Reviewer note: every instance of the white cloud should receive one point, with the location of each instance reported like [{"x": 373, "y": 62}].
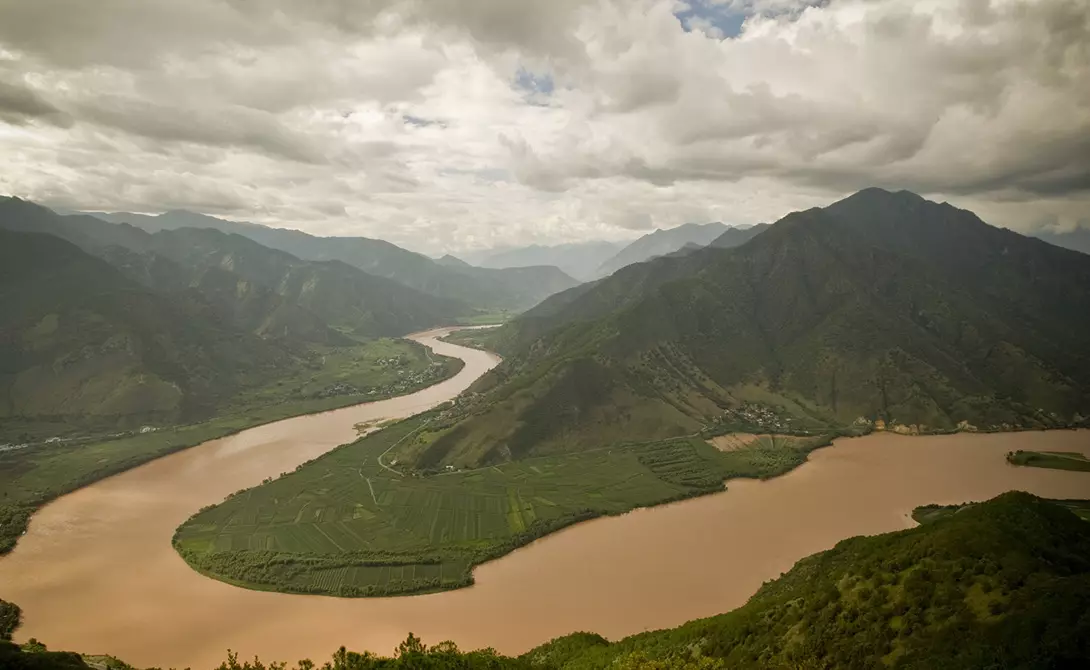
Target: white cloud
[{"x": 412, "y": 120}]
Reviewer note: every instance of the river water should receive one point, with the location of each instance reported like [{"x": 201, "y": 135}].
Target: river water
[{"x": 96, "y": 571}]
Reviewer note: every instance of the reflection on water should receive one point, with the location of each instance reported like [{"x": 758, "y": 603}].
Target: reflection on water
[{"x": 96, "y": 571}]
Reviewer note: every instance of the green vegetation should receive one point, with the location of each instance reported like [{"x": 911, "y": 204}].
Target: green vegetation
[
  {"x": 10, "y": 617},
  {"x": 481, "y": 288},
  {"x": 334, "y": 377},
  {"x": 929, "y": 513},
  {"x": 999, "y": 584},
  {"x": 352, "y": 523},
  {"x": 474, "y": 338},
  {"x": 122, "y": 346},
  {"x": 882, "y": 307},
  {"x": 488, "y": 318},
  {"x": 1057, "y": 460}
]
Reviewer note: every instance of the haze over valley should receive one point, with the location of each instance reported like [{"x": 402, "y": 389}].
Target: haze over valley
[{"x": 567, "y": 335}]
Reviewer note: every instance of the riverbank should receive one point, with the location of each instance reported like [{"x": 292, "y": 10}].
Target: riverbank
[
  {"x": 376, "y": 370},
  {"x": 96, "y": 572},
  {"x": 409, "y": 533}
]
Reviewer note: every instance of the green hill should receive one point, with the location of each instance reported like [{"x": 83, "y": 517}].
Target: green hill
[
  {"x": 483, "y": 288},
  {"x": 883, "y": 306},
  {"x": 265, "y": 291},
  {"x": 83, "y": 342}
]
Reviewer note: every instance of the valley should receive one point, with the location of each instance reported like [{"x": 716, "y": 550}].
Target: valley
[
  {"x": 110, "y": 543},
  {"x": 653, "y": 447}
]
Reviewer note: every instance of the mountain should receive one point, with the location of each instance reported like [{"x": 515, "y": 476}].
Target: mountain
[
  {"x": 83, "y": 342},
  {"x": 580, "y": 260},
  {"x": 452, "y": 262},
  {"x": 1077, "y": 240},
  {"x": 255, "y": 288},
  {"x": 734, "y": 237},
  {"x": 661, "y": 242},
  {"x": 883, "y": 306},
  {"x": 478, "y": 287},
  {"x": 335, "y": 292}
]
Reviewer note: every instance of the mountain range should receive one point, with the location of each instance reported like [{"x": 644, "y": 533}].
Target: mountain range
[
  {"x": 881, "y": 309},
  {"x": 661, "y": 242},
  {"x": 580, "y": 260},
  {"x": 256, "y": 288},
  {"x": 483, "y": 288}
]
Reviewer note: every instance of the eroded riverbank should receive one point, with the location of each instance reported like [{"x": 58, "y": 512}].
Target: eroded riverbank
[{"x": 97, "y": 573}]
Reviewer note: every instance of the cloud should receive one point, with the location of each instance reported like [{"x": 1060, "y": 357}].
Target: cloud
[
  {"x": 449, "y": 124},
  {"x": 20, "y": 104}
]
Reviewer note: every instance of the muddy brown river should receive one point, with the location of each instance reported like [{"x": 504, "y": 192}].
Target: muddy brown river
[{"x": 96, "y": 571}]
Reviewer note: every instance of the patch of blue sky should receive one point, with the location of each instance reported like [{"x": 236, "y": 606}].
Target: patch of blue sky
[
  {"x": 724, "y": 19},
  {"x": 715, "y": 18},
  {"x": 536, "y": 87}
]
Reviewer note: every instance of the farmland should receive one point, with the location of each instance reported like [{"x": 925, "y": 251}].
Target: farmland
[
  {"x": 33, "y": 474},
  {"x": 345, "y": 524}
]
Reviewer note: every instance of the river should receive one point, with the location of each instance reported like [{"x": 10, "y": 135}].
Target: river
[{"x": 96, "y": 571}]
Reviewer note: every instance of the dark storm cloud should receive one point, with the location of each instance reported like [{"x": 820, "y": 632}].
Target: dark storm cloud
[{"x": 19, "y": 104}]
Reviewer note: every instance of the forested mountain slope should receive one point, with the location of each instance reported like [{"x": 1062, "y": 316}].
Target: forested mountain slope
[
  {"x": 83, "y": 341},
  {"x": 883, "y": 306},
  {"x": 484, "y": 288},
  {"x": 258, "y": 289}
]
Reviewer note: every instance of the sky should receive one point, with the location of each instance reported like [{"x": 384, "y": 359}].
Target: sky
[{"x": 448, "y": 125}]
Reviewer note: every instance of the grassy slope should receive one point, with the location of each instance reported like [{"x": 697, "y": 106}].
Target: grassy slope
[
  {"x": 336, "y": 377},
  {"x": 883, "y": 306},
  {"x": 345, "y": 525}
]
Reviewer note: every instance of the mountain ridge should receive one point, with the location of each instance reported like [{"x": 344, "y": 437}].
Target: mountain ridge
[
  {"x": 881, "y": 307},
  {"x": 660, "y": 242},
  {"x": 482, "y": 288}
]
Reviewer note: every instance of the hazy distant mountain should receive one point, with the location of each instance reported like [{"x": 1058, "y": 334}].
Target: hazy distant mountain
[
  {"x": 734, "y": 237},
  {"x": 477, "y": 287},
  {"x": 579, "y": 259},
  {"x": 661, "y": 242},
  {"x": 452, "y": 261},
  {"x": 1078, "y": 239},
  {"x": 255, "y": 288},
  {"x": 881, "y": 306}
]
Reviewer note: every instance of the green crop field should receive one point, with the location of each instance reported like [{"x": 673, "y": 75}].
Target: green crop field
[
  {"x": 1057, "y": 460},
  {"x": 345, "y": 524},
  {"x": 338, "y": 376}
]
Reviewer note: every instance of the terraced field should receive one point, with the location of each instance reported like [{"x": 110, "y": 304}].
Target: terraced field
[{"x": 346, "y": 524}]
